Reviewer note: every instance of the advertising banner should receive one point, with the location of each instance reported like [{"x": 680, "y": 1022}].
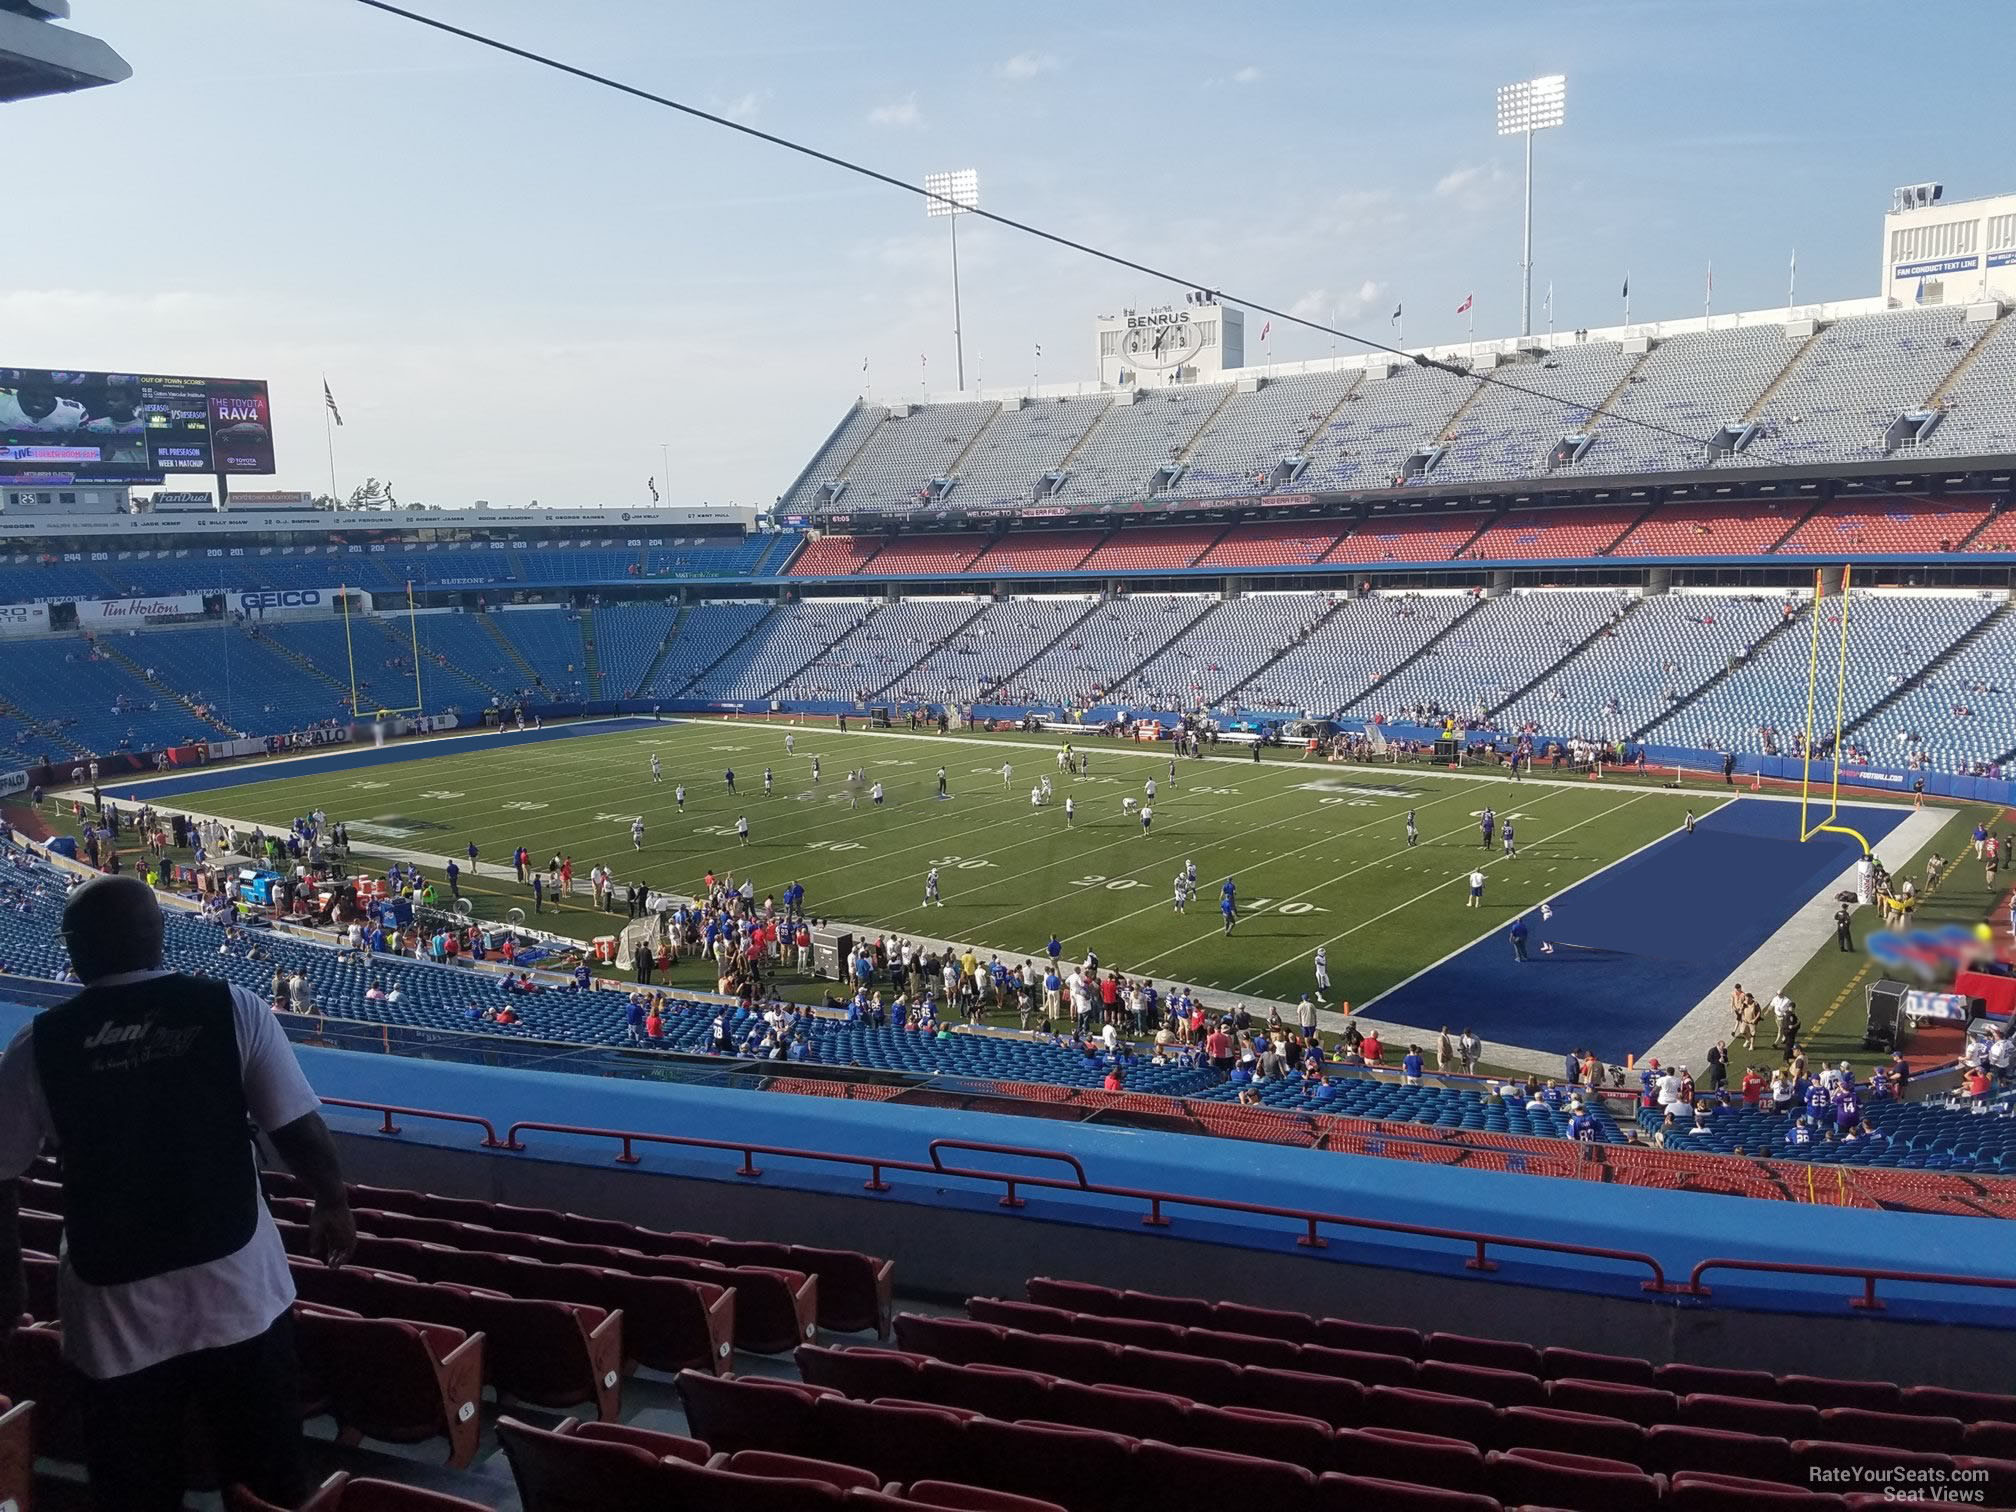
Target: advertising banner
[
  {"x": 97, "y": 612},
  {"x": 23, "y": 619}
]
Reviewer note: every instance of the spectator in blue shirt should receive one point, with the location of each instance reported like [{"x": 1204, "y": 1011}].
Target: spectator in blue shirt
[
  {"x": 1517, "y": 935},
  {"x": 1582, "y": 1125},
  {"x": 1410, "y": 1066}
]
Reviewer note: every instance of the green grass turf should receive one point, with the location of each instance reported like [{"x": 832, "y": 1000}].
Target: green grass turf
[{"x": 1313, "y": 867}]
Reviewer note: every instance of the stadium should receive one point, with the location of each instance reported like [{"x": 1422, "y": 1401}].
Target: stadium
[{"x": 1411, "y": 930}]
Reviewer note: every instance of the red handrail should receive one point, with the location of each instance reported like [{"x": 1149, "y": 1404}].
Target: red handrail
[
  {"x": 1867, "y": 1275},
  {"x": 1311, "y": 1220},
  {"x": 490, "y": 1139}
]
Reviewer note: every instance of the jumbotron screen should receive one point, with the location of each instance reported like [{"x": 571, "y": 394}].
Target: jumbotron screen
[{"x": 130, "y": 427}]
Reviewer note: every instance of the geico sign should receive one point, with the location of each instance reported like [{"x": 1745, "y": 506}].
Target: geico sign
[{"x": 290, "y": 598}]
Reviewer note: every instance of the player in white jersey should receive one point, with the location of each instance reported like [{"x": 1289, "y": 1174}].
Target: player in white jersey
[
  {"x": 1036, "y": 796},
  {"x": 815, "y": 771},
  {"x": 931, "y": 889},
  {"x": 1070, "y": 810},
  {"x": 790, "y": 744},
  {"x": 1148, "y": 789},
  {"x": 942, "y": 793},
  {"x": 1007, "y": 774},
  {"x": 1182, "y": 893},
  {"x": 637, "y": 834},
  {"x": 742, "y": 829},
  {"x": 1322, "y": 972},
  {"x": 679, "y": 796},
  {"x": 1413, "y": 830},
  {"x": 767, "y": 782},
  {"x": 1190, "y": 874},
  {"x": 876, "y": 793},
  {"x": 657, "y": 768},
  {"x": 1147, "y": 816}
]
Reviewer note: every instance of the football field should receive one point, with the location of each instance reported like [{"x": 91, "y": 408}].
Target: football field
[{"x": 1318, "y": 851}]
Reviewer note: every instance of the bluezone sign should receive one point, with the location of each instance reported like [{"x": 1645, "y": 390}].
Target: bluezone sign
[{"x": 268, "y": 602}]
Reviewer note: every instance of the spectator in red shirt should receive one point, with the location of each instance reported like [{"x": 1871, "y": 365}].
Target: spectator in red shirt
[
  {"x": 1218, "y": 1047},
  {"x": 1753, "y": 1087},
  {"x": 654, "y": 1024},
  {"x": 1371, "y": 1049}
]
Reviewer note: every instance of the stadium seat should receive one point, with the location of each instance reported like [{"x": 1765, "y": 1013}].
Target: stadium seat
[
  {"x": 1572, "y": 1482},
  {"x": 1432, "y": 1459},
  {"x": 1639, "y": 1404},
  {"x": 1351, "y": 1493},
  {"x": 17, "y": 1450},
  {"x": 388, "y": 1379},
  {"x": 770, "y": 1466},
  {"x": 960, "y": 1498},
  {"x": 745, "y": 1412},
  {"x": 1705, "y": 1491},
  {"x": 1786, "y": 1420},
  {"x": 1615, "y": 1438},
  {"x": 1671, "y": 1448},
  {"x": 564, "y": 1472}
]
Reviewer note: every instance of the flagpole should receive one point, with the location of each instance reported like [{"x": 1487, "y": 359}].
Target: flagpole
[
  {"x": 1627, "y": 296},
  {"x": 1550, "y": 312},
  {"x": 1708, "y": 295},
  {"x": 329, "y": 438},
  {"x": 1792, "y": 282}
]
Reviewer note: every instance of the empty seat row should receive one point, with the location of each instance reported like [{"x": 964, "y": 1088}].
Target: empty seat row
[
  {"x": 1550, "y": 1363},
  {"x": 853, "y": 1292}
]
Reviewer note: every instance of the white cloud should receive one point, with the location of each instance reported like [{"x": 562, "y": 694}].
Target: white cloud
[
  {"x": 1027, "y": 65},
  {"x": 1457, "y": 180},
  {"x": 1326, "y": 305},
  {"x": 1247, "y": 75},
  {"x": 902, "y": 114},
  {"x": 743, "y": 107}
]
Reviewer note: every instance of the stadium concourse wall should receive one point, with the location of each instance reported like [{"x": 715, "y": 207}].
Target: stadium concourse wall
[{"x": 952, "y": 1236}]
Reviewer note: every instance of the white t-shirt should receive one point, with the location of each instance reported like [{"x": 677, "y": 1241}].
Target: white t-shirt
[{"x": 115, "y": 1330}]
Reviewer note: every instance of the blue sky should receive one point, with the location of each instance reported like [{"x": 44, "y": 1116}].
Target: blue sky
[{"x": 521, "y": 286}]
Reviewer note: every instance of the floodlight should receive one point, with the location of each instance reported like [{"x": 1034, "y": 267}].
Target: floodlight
[
  {"x": 1534, "y": 105},
  {"x": 952, "y": 193}
]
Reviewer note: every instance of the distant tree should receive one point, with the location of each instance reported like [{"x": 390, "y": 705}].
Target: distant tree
[{"x": 370, "y": 494}]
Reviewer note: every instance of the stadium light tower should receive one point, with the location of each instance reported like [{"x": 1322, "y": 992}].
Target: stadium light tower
[
  {"x": 952, "y": 195},
  {"x": 1524, "y": 108}
]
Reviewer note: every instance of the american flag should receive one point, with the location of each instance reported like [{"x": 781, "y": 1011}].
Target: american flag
[{"x": 330, "y": 400}]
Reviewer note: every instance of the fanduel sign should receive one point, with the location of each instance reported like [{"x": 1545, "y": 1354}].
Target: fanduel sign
[{"x": 285, "y": 600}]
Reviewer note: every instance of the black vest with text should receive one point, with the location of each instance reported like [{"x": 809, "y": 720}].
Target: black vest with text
[{"x": 146, "y": 1094}]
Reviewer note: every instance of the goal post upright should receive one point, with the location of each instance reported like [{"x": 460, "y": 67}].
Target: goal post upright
[
  {"x": 413, "y": 629},
  {"x": 1827, "y": 824}
]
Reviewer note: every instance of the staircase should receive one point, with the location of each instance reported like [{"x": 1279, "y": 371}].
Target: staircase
[
  {"x": 107, "y": 647},
  {"x": 1426, "y": 646},
  {"x": 978, "y": 610},
  {"x": 1917, "y": 679},
  {"x": 1046, "y": 648},
  {"x": 404, "y": 645},
  {"x": 42, "y": 731},
  {"x": 1798, "y": 524},
  {"x": 1636, "y": 520},
  {"x": 1573, "y": 652},
  {"x": 1328, "y": 615},
  {"x": 532, "y": 678},
  {"x": 1210, "y": 608},
  {"x": 308, "y": 668},
  {"x": 1724, "y": 675},
  {"x": 695, "y": 679},
  {"x": 591, "y": 672},
  {"x": 1791, "y": 367},
  {"x": 789, "y": 678},
  {"x": 1601, "y": 410},
  {"x": 1959, "y": 369},
  {"x": 1998, "y": 515},
  {"x": 664, "y": 650}
]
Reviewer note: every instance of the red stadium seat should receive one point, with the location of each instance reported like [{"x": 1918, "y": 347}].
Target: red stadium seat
[
  {"x": 1255, "y": 1431},
  {"x": 1703, "y": 1491},
  {"x": 1074, "y": 1296},
  {"x": 863, "y": 1374},
  {"x": 1122, "y": 1409},
  {"x": 399, "y": 1381},
  {"x": 1673, "y": 1447},
  {"x": 958, "y": 1340},
  {"x": 774, "y": 1466},
  {"x": 1361, "y": 1365},
  {"x": 1839, "y": 1464},
  {"x": 563, "y": 1472},
  {"x": 1573, "y": 1482},
  {"x": 1200, "y": 1379},
  {"x": 1432, "y": 1459},
  {"x": 1493, "y": 1354},
  {"x": 746, "y": 1412},
  {"x": 1968, "y": 1406},
  {"x": 1641, "y": 1404},
  {"x": 996, "y": 1391},
  {"x": 1574, "y": 1433},
  {"x": 1786, "y": 1420},
  {"x": 1166, "y": 1475},
  {"x": 1065, "y": 1465},
  {"x": 1900, "y": 1430},
  {"x": 898, "y": 1441},
  {"x": 1331, "y": 1399},
  {"x": 1263, "y": 1322},
  {"x": 1687, "y": 1380},
  {"x": 1827, "y": 1391},
  {"x": 1626, "y": 1370},
  {"x": 1501, "y": 1388},
  {"x": 1240, "y": 1349},
  {"x": 34, "y": 1377},
  {"x": 1469, "y": 1418},
  {"x": 663, "y": 1445},
  {"x": 1030, "y": 1317}
]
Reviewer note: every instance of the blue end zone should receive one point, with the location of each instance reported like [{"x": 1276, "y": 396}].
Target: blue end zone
[
  {"x": 1636, "y": 947},
  {"x": 353, "y": 758}
]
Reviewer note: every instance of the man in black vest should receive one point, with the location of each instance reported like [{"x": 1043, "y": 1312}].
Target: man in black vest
[{"x": 174, "y": 1287}]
